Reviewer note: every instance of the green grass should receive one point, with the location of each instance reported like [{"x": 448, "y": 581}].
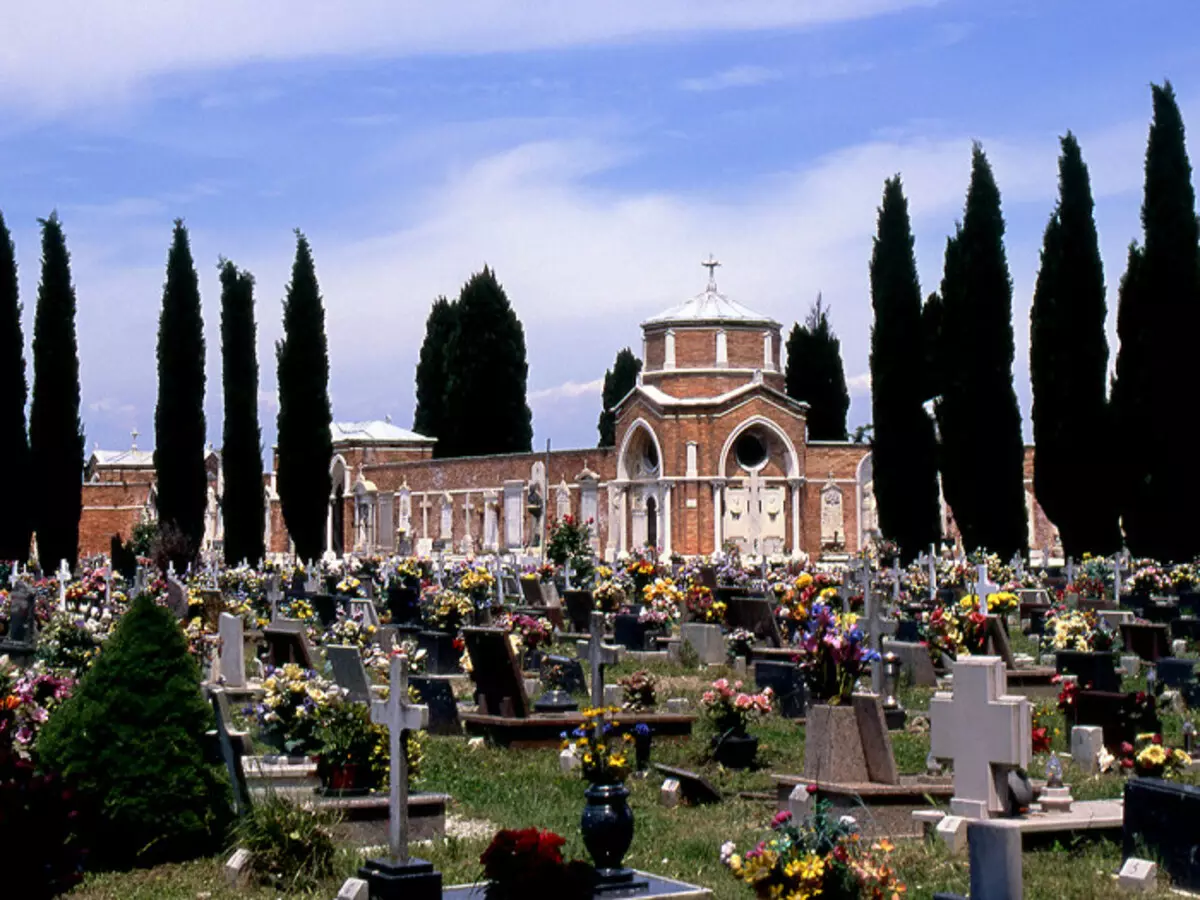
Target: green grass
[{"x": 521, "y": 788}]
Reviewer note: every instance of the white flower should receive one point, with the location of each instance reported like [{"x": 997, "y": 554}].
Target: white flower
[{"x": 727, "y": 850}]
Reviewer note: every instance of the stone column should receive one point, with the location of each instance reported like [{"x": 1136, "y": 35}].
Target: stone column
[
  {"x": 718, "y": 515},
  {"x": 665, "y": 512},
  {"x": 624, "y": 514},
  {"x": 795, "y": 484}
]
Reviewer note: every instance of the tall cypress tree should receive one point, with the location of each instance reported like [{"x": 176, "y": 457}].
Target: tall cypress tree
[
  {"x": 305, "y": 440},
  {"x": 486, "y": 374},
  {"x": 16, "y": 525},
  {"x": 55, "y": 431},
  {"x": 241, "y": 451},
  {"x": 179, "y": 429},
  {"x": 618, "y": 381},
  {"x": 1068, "y": 365},
  {"x": 904, "y": 449},
  {"x": 815, "y": 375},
  {"x": 1158, "y": 318},
  {"x": 429, "y": 418},
  {"x": 982, "y": 454}
]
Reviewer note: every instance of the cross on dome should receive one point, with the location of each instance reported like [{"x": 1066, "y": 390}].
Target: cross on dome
[{"x": 711, "y": 264}]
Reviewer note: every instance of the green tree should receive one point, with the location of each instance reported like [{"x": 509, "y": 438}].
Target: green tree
[
  {"x": 305, "y": 440},
  {"x": 16, "y": 525},
  {"x": 55, "y": 431},
  {"x": 131, "y": 740},
  {"x": 1068, "y": 365},
  {"x": 1157, "y": 320},
  {"x": 486, "y": 374},
  {"x": 429, "y": 418},
  {"x": 904, "y": 449},
  {"x": 815, "y": 375},
  {"x": 618, "y": 381},
  {"x": 241, "y": 450},
  {"x": 179, "y": 428},
  {"x": 932, "y": 313},
  {"x": 982, "y": 453}
]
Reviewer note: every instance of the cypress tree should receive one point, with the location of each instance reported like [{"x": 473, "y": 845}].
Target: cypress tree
[
  {"x": 903, "y": 450},
  {"x": 982, "y": 454},
  {"x": 429, "y": 418},
  {"x": 16, "y": 524},
  {"x": 486, "y": 374},
  {"x": 1068, "y": 365},
  {"x": 305, "y": 441},
  {"x": 241, "y": 451},
  {"x": 932, "y": 313},
  {"x": 55, "y": 431},
  {"x": 815, "y": 375},
  {"x": 179, "y": 429},
  {"x": 618, "y": 381},
  {"x": 1158, "y": 318}
]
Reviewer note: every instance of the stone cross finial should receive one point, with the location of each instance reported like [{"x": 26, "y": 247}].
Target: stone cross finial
[
  {"x": 984, "y": 587},
  {"x": 399, "y": 717},
  {"x": 712, "y": 265},
  {"x": 984, "y": 730},
  {"x": 600, "y": 655},
  {"x": 134, "y": 434}
]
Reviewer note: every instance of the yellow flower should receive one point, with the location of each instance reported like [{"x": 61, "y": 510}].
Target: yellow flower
[
  {"x": 804, "y": 580},
  {"x": 812, "y": 867},
  {"x": 1154, "y": 755}
]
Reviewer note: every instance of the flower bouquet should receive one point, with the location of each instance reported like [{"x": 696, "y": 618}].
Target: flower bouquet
[
  {"x": 291, "y": 708},
  {"x": 602, "y": 750},
  {"x": 833, "y": 655},
  {"x": 349, "y": 586},
  {"x": 1148, "y": 578},
  {"x": 820, "y": 857},
  {"x": 1152, "y": 760},
  {"x": 477, "y": 583},
  {"x": 638, "y": 691},
  {"x": 730, "y": 709},
  {"x": 446, "y": 610},
  {"x": 1075, "y": 630},
  {"x": 26, "y": 700},
  {"x": 529, "y": 863},
  {"x": 702, "y": 606},
  {"x": 661, "y": 598},
  {"x": 534, "y": 633},
  {"x": 642, "y": 569},
  {"x": 609, "y": 595}
]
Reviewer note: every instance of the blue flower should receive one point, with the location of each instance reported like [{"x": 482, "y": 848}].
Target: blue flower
[{"x": 641, "y": 728}]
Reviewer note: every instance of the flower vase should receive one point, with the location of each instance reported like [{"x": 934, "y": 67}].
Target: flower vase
[
  {"x": 607, "y": 828},
  {"x": 735, "y": 749}
]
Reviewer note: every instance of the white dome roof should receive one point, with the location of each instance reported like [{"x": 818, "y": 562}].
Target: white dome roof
[{"x": 710, "y": 306}]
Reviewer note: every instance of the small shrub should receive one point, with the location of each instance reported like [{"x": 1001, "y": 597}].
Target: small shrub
[
  {"x": 292, "y": 846},
  {"x": 131, "y": 739}
]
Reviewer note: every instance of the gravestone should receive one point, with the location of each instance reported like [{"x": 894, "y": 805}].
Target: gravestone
[
  {"x": 326, "y": 608},
  {"x": 231, "y": 658},
  {"x": 177, "y": 597},
  {"x": 573, "y": 681},
  {"x": 985, "y": 731},
  {"x": 599, "y": 655},
  {"x": 438, "y": 695},
  {"x": 628, "y": 632},
  {"x": 21, "y": 616},
  {"x": 1116, "y": 713},
  {"x": 499, "y": 685},
  {"x": 1095, "y": 670},
  {"x": 706, "y": 640},
  {"x": 696, "y": 790},
  {"x": 785, "y": 680},
  {"x": 579, "y": 606},
  {"x": 441, "y": 657},
  {"x": 287, "y": 643},
  {"x": 1185, "y": 630},
  {"x": 1160, "y": 820},
  {"x": 756, "y": 615},
  {"x": 531, "y": 590},
  {"x": 349, "y": 672},
  {"x": 212, "y": 603},
  {"x": 1149, "y": 641},
  {"x": 1175, "y": 673},
  {"x": 365, "y": 609},
  {"x": 233, "y": 745},
  {"x": 915, "y": 664}
]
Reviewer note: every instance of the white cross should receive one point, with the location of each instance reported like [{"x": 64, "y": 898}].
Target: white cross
[
  {"x": 984, "y": 730},
  {"x": 896, "y": 580},
  {"x": 600, "y": 655},
  {"x": 64, "y": 575},
  {"x": 399, "y": 717},
  {"x": 932, "y": 573},
  {"x": 1117, "y": 579},
  {"x": 499, "y": 580},
  {"x": 1070, "y": 570},
  {"x": 108, "y": 578},
  {"x": 984, "y": 588}
]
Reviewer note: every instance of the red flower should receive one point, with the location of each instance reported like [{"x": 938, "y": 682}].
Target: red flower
[
  {"x": 1157, "y": 739},
  {"x": 812, "y": 790},
  {"x": 1041, "y": 740}
]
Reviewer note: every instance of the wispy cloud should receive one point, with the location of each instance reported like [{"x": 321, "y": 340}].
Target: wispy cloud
[
  {"x": 859, "y": 385},
  {"x": 569, "y": 390},
  {"x": 736, "y": 77}
]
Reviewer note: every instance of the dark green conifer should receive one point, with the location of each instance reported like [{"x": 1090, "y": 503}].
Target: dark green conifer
[
  {"x": 16, "y": 525},
  {"x": 618, "y": 381},
  {"x": 429, "y": 418},
  {"x": 815, "y": 375}
]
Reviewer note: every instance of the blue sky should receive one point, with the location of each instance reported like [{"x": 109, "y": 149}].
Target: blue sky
[{"x": 592, "y": 154}]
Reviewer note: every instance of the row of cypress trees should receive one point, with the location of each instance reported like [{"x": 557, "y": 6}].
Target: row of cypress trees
[
  {"x": 1104, "y": 462},
  {"x": 52, "y": 450}
]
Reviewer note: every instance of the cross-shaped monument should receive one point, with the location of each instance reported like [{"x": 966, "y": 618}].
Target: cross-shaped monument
[
  {"x": 896, "y": 579},
  {"x": 932, "y": 573},
  {"x": 1117, "y": 579},
  {"x": 64, "y": 575},
  {"x": 984, "y": 587},
  {"x": 400, "y": 876},
  {"x": 712, "y": 265},
  {"x": 985, "y": 731},
  {"x": 600, "y": 655},
  {"x": 1070, "y": 570}
]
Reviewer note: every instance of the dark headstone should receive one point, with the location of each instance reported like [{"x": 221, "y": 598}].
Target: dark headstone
[
  {"x": 1160, "y": 822},
  {"x": 579, "y": 608},
  {"x": 1185, "y": 630},
  {"x": 233, "y": 746},
  {"x": 438, "y": 695},
  {"x": 908, "y": 631},
  {"x": 499, "y": 684},
  {"x": 349, "y": 673},
  {"x": 1095, "y": 670},
  {"x": 756, "y": 615},
  {"x": 440, "y": 656},
  {"x": 628, "y": 632},
  {"x": 1147, "y": 641},
  {"x": 177, "y": 597},
  {"x": 21, "y": 600},
  {"x": 1189, "y": 603},
  {"x": 1118, "y": 714},
  {"x": 403, "y": 602},
  {"x": 697, "y": 790},
  {"x": 1175, "y": 673},
  {"x": 573, "y": 680},
  {"x": 287, "y": 645},
  {"x": 326, "y": 607},
  {"x": 785, "y": 680},
  {"x": 1159, "y": 612}
]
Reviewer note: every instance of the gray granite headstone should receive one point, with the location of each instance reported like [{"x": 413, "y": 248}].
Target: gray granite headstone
[
  {"x": 349, "y": 672},
  {"x": 177, "y": 597}
]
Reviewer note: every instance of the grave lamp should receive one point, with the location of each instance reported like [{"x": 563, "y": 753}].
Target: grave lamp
[
  {"x": 1054, "y": 772},
  {"x": 1151, "y": 680},
  {"x": 932, "y": 765},
  {"x": 1056, "y": 797},
  {"x": 1189, "y": 738}
]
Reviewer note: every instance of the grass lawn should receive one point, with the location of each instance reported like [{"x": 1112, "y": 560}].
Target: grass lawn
[{"x": 494, "y": 788}]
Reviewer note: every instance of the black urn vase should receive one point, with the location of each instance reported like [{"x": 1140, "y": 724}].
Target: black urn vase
[
  {"x": 735, "y": 751},
  {"x": 607, "y": 828}
]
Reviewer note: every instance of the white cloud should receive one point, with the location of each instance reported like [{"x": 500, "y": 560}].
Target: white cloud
[
  {"x": 89, "y": 50},
  {"x": 736, "y": 77},
  {"x": 859, "y": 385},
  {"x": 569, "y": 390}
]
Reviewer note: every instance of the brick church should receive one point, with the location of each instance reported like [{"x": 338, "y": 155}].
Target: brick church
[{"x": 710, "y": 452}]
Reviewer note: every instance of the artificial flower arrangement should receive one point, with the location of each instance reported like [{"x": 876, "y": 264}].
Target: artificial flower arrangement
[
  {"x": 299, "y": 608},
  {"x": 998, "y": 604},
  {"x": 602, "y": 750},
  {"x": 1147, "y": 757},
  {"x": 731, "y": 572},
  {"x": 349, "y": 631},
  {"x": 349, "y": 586},
  {"x": 1184, "y": 576},
  {"x": 642, "y": 569},
  {"x": 26, "y": 699},
  {"x": 1041, "y": 732},
  {"x": 72, "y": 640},
  {"x": 639, "y": 691},
  {"x": 529, "y": 863},
  {"x": 1072, "y": 629},
  {"x": 409, "y": 569},
  {"x": 534, "y": 633},
  {"x": 477, "y": 582},
  {"x": 661, "y": 599},
  {"x": 446, "y": 610},
  {"x": 1093, "y": 577},
  {"x": 739, "y": 643},
  {"x": 353, "y": 752},
  {"x": 702, "y": 606},
  {"x": 730, "y": 709},
  {"x": 290, "y": 711},
  {"x": 833, "y": 654},
  {"x": 243, "y": 580},
  {"x": 819, "y": 857},
  {"x": 609, "y": 595},
  {"x": 1148, "y": 577}
]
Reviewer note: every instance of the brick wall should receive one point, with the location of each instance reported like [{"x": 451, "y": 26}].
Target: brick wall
[{"x": 110, "y": 508}]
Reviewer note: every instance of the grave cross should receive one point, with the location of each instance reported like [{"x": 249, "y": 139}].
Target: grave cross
[
  {"x": 932, "y": 573},
  {"x": 1117, "y": 579},
  {"x": 1070, "y": 570},
  {"x": 64, "y": 575},
  {"x": 108, "y": 578},
  {"x": 399, "y": 717},
  {"x": 600, "y": 655},
  {"x": 984, "y": 587},
  {"x": 1018, "y": 565},
  {"x": 985, "y": 731},
  {"x": 499, "y": 580},
  {"x": 896, "y": 579}
]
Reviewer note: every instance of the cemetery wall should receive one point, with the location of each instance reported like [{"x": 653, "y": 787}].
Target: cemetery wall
[{"x": 110, "y": 507}]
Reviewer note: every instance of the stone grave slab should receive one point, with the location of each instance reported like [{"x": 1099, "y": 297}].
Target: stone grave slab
[
  {"x": 657, "y": 888},
  {"x": 288, "y": 644},
  {"x": 579, "y": 606},
  {"x": 1150, "y": 641},
  {"x": 437, "y": 693},
  {"x": 1116, "y": 713},
  {"x": 1160, "y": 819},
  {"x": 499, "y": 685},
  {"x": 697, "y": 790},
  {"x": 756, "y": 615},
  {"x": 785, "y": 680},
  {"x": 440, "y": 656},
  {"x": 1097, "y": 670},
  {"x": 915, "y": 664},
  {"x": 1185, "y": 630},
  {"x": 1175, "y": 673},
  {"x": 706, "y": 640},
  {"x": 574, "y": 681},
  {"x": 349, "y": 672}
]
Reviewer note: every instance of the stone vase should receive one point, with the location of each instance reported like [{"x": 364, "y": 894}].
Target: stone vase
[{"x": 607, "y": 828}]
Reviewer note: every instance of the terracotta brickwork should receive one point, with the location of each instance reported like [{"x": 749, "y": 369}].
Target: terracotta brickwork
[{"x": 110, "y": 507}]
